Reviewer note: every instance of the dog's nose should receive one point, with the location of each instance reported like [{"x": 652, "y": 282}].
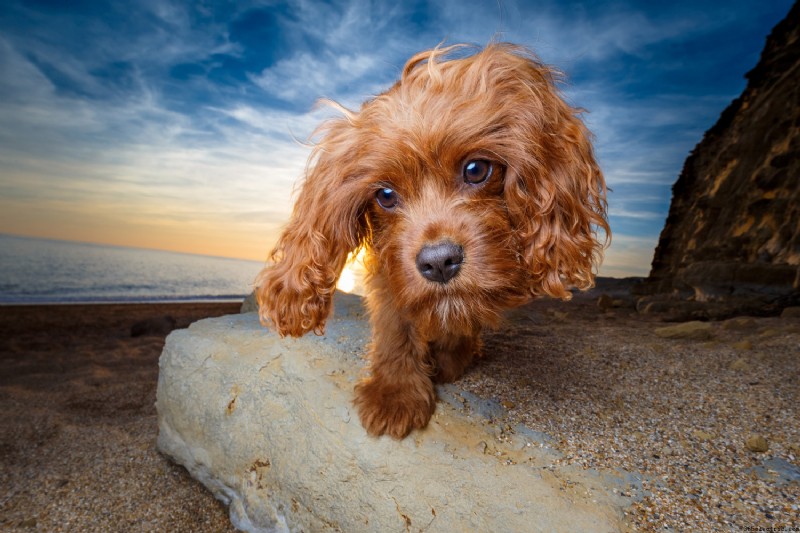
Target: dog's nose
[{"x": 440, "y": 262}]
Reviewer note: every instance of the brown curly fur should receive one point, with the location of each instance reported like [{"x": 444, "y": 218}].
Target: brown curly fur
[{"x": 530, "y": 230}]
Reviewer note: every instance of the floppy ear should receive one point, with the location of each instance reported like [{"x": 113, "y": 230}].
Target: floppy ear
[
  {"x": 294, "y": 292},
  {"x": 556, "y": 195}
]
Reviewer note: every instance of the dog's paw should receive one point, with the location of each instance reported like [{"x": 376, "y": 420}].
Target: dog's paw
[{"x": 394, "y": 409}]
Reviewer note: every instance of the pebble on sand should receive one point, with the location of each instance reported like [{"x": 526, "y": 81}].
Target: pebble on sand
[
  {"x": 688, "y": 330},
  {"x": 744, "y": 345},
  {"x": 740, "y": 364},
  {"x": 791, "y": 312},
  {"x": 756, "y": 443},
  {"x": 739, "y": 324},
  {"x": 702, "y": 436},
  {"x": 605, "y": 302}
]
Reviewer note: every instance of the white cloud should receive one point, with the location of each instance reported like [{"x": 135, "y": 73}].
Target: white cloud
[
  {"x": 620, "y": 211},
  {"x": 306, "y": 77},
  {"x": 218, "y": 150},
  {"x": 142, "y": 159}
]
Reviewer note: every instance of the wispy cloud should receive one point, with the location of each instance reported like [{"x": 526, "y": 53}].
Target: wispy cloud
[
  {"x": 192, "y": 117},
  {"x": 619, "y": 211},
  {"x": 306, "y": 77}
]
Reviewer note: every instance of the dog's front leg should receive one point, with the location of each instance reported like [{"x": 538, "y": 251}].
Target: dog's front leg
[
  {"x": 453, "y": 354},
  {"x": 398, "y": 395}
]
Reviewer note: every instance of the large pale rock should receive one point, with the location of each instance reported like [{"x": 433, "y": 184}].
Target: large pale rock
[{"x": 267, "y": 424}]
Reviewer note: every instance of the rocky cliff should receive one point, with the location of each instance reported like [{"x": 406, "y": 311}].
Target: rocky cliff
[{"x": 733, "y": 230}]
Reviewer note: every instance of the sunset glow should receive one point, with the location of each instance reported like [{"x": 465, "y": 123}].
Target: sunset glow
[{"x": 184, "y": 127}]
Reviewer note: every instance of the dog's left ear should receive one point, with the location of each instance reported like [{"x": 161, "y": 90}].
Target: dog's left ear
[
  {"x": 295, "y": 291},
  {"x": 555, "y": 191}
]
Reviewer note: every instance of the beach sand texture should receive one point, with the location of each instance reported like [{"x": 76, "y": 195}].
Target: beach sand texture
[{"x": 77, "y": 444}]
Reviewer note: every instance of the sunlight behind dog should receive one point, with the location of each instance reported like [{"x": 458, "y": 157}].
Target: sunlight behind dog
[{"x": 352, "y": 278}]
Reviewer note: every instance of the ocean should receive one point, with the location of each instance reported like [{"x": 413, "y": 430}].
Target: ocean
[{"x": 49, "y": 271}]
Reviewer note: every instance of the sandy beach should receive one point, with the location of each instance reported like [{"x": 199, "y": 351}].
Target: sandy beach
[
  {"x": 77, "y": 444},
  {"x": 711, "y": 424},
  {"x": 711, "y": 421}
]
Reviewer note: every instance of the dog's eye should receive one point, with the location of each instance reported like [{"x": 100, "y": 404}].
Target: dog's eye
[
  {"x": 386, "y": 197},
  {"x": 477, "y": 171}
]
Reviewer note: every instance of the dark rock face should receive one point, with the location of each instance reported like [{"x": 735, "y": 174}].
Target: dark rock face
[{"x": 733, "y": 230}]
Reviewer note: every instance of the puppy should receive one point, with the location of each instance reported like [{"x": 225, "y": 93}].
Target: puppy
[{"x": 472, "y": 187}]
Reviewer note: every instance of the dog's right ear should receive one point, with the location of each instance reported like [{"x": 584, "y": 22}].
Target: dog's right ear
[
  {"x": 556, "y": 196},
  {"x": 294, "y": 291}
]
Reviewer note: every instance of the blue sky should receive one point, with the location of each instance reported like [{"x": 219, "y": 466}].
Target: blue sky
[{"x": 179, "y": 125}]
